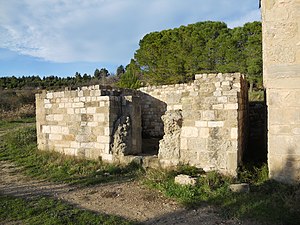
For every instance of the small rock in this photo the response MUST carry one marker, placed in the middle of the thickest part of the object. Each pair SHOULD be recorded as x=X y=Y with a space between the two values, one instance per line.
x=240 y=188
x=185 y=180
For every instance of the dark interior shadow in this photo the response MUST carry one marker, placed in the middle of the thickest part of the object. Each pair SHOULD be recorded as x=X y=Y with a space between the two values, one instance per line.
x=152 y=124
x=256 y=150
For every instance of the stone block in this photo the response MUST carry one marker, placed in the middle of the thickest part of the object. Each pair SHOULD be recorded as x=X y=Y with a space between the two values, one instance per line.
x=100 y=146
x=55 y=129
x=198 y=76
x=218 y=93
x=55 y=137
x=176 y=107
x=46 y=129
x=208 y=115
x=49 y=95
x=234 y=133
x=107 y=157
x=65 y=130
x=240 y=188
x=218 y=84
x=83 y=110
x=48 y=106
x=215 y=124
x=201 y=123
x=74 y=144
x=92 y=124
x=99 y=117
x=204 y=132
x=70 y=151
x=283 y=115
x=197 y=144
x=70 y=111
x=183 y=179
x=58 y=117
x=80 y=93
x=189 y=132
x=232 y=162
x=107 y=131
x=183 y=143
x=77 y=104
x=225 y=83
x=284 y=144
x=230 y=93
x=103 y=139
x=237 y=85
x=68 y=105
x=222 y=99
x=218 y=106
x=296 y=131
x=231 y=106
x=87 y=145
x=91 y=110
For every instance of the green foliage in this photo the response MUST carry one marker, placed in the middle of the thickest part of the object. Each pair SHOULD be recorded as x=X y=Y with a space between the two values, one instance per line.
x=13 y=99
x=46 y=210
x=129 y=80
x=266 y=201
x=256 y=96
x=254 y=175
x=120 y=70
x=20 y=147
x=174 y=56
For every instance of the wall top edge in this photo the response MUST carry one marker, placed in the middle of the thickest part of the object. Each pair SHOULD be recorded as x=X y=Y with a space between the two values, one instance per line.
x=111 y=91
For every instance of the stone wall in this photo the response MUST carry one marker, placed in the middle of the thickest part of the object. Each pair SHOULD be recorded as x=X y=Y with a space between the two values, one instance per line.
x=214 y=120
x=84 y=122
x=202 y=123
x=281 y=60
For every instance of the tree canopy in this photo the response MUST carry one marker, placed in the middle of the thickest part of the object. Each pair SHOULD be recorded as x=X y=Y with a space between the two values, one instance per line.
x=173 y=56
x=176 y=55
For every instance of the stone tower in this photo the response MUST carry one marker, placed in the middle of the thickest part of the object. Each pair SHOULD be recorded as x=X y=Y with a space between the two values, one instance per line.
x=281 y=58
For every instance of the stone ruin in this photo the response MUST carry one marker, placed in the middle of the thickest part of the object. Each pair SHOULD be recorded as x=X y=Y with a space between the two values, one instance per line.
x=281 y=69
x=202 y=123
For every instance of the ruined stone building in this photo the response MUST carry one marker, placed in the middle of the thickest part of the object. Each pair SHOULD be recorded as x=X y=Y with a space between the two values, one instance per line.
x=281 y=58
x=201 y=123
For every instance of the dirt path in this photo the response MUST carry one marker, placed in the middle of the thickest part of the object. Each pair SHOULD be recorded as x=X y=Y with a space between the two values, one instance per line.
x=129 y=200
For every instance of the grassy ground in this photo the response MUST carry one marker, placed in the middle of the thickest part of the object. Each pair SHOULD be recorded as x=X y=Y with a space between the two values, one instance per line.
x=20 y=147
x=46 y=210
x=268 y=201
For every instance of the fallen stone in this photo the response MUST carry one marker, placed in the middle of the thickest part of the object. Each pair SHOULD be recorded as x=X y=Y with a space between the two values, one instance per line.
x=185 y=180
x=240 y=188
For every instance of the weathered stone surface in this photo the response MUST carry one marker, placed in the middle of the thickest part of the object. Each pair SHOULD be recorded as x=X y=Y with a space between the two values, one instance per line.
x=281 y=59
x=169 y=146
x=240 y=188
x=183 y=179
x=200 y=122
x=121 y=137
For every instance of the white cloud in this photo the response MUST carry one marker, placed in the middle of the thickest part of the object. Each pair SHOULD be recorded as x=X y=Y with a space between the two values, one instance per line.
x=104 y=30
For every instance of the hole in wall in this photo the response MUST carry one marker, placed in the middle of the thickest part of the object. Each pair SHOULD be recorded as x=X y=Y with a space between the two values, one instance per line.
x=150 y=145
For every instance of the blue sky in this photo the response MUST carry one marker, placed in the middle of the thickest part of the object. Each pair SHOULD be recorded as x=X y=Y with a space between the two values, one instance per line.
x=61 y=37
